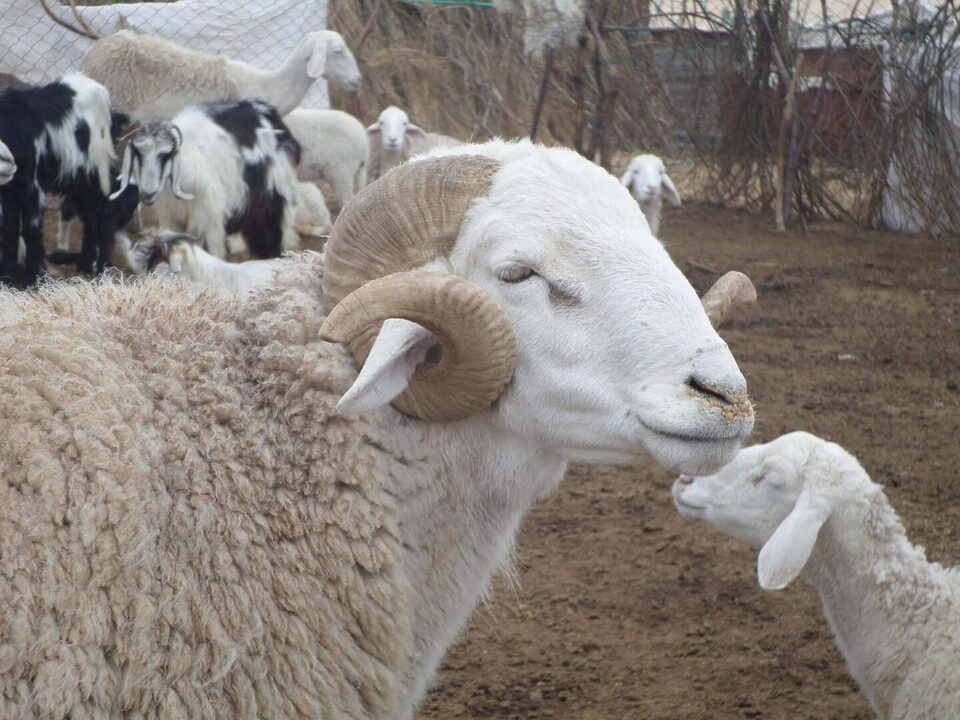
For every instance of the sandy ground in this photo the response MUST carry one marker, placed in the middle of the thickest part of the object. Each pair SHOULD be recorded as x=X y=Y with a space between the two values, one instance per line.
x=623 y=609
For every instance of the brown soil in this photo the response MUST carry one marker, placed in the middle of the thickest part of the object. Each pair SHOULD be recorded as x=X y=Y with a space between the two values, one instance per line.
x=623 y=609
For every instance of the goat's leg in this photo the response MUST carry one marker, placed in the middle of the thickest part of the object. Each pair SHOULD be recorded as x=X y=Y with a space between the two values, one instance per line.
x=10 y=233
x=31 y=222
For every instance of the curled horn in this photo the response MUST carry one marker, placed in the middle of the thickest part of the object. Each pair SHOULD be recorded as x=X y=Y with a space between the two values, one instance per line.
x=125 y=170
x=178 y=191
x=729 y=292
x=406 y=219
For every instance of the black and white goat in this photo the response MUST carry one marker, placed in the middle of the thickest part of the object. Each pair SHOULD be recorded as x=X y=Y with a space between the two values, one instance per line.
x=120 y=208
x=231 y=169
x=59 y=139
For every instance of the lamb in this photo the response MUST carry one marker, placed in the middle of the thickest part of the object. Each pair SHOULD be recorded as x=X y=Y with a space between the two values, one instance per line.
x=814 y=511
x=647 y=180
x=230 y=168
x=334 y=148
x=207 y=511
x=394 y=139
x=152 y=78
x=59 y=138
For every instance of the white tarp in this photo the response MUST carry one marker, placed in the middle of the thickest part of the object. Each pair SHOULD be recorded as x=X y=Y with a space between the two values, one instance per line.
x=261 y=32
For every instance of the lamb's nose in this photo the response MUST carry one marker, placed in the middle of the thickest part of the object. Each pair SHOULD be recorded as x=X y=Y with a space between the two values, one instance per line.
x=685 y=480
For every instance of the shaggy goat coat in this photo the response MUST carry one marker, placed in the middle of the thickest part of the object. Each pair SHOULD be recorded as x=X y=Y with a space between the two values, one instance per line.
x=188 y=528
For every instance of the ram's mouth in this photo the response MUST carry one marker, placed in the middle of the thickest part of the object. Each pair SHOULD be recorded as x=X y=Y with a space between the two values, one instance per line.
x=690 y=437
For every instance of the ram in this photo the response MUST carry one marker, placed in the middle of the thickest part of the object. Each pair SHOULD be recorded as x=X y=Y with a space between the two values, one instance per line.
x=209 y=513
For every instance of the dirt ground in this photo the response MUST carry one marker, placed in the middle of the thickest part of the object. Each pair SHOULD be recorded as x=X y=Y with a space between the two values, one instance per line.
x=622 y=609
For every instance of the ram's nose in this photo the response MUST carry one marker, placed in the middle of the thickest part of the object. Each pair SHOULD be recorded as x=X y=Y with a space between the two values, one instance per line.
x=724 y=390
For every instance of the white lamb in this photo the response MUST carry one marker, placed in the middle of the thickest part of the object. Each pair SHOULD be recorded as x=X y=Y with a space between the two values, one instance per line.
x=152 y=78
x=647 y=180
x=813 y=509
x=394 y=139
x=334 y=148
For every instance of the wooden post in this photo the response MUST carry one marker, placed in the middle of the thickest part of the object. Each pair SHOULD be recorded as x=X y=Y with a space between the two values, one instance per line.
x=542 y=95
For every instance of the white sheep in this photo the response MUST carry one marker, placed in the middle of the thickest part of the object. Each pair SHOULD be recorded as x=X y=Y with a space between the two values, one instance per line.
x=198 y=530
x=647 y=180
x=152 y=78
x=394 y=139
x=814 y=511
x=334 y=148
x=219 y=169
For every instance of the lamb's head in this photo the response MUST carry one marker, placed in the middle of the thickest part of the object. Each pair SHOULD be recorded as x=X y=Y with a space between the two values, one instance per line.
x=329 y=57
x=150 y=159
x=520 y=283
x=776 y=497
x=8 y=166
x=647 y=179
x=393 y=126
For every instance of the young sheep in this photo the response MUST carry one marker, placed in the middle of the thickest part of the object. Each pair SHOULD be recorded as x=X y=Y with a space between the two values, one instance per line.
x=394 y=139
x=230 y=168
x=334 y=148
x=647 y=180
x=59 y=138
x=152 y=78
x=211 y=512
x=813 y=510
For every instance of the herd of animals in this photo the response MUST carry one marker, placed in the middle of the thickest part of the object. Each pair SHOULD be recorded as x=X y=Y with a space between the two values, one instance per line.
x=279 y=487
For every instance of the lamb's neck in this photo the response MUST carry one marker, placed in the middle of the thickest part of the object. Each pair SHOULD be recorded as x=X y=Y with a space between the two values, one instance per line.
x=283 y=87
x=876 y=588
x=461 y=492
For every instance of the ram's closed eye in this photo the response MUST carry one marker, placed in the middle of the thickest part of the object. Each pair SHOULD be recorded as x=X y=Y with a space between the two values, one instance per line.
x=516 y=273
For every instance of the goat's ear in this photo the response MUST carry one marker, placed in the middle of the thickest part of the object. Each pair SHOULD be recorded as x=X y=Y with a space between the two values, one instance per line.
x=415 y=130
x=374 y=129
x=669 y=191
x=400 y=346
x=785 y=554
x=318 y=59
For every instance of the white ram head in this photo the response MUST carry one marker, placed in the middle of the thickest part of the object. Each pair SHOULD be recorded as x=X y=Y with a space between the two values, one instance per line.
x=521 y=285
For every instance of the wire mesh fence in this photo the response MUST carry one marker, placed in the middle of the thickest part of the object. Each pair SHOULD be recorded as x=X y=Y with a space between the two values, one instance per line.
x=40 y=40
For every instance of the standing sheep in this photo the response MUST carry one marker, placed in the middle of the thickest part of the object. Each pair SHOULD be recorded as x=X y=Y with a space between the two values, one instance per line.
x=207 y=512
x=813 y=510
x=151 y=78
x=647 y=180
x=394 y=139
x=334 y=148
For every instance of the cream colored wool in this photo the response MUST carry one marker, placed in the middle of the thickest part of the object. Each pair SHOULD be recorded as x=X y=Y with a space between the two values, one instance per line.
x=188 y=529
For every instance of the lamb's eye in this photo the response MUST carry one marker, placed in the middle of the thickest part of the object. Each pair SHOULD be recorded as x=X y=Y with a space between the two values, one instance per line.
x=516 y=273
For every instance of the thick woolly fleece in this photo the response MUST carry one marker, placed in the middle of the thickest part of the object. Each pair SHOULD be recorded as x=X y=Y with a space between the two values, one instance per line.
x=188 y=530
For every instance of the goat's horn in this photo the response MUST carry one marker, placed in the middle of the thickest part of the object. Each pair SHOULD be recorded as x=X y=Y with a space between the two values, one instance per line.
x=474 y=366
x=406 y=219
x=125 y=170
x=729 y=292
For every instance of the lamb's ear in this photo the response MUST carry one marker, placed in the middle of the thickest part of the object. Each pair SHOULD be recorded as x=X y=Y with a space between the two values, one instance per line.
x=374 y=129
x=669 y=191
x=627 y=177
x=400 y=346
x=318 y=59
x=785 y=554
x=416 y=130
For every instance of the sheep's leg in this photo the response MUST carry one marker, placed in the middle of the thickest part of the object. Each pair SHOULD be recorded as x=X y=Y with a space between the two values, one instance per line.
x=31 y=225
x=215 y=238
x=10 y=233
x=342 y=182
x=360 y=178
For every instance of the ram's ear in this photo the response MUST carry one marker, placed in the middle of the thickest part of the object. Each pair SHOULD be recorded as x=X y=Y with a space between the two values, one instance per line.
x=785 y=554
x=400 y=346
x=669 y=191
x=318 y=59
